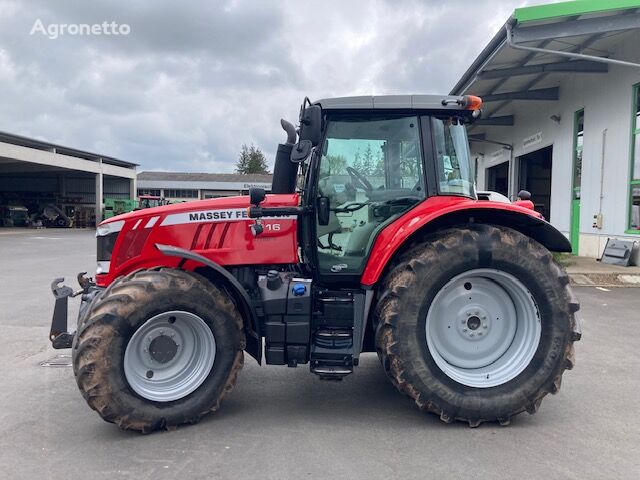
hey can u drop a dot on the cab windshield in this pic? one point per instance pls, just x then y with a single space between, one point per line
455 175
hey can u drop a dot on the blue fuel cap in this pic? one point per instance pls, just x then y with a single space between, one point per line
299 289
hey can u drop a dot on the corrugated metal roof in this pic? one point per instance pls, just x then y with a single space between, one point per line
497 53
203 177
62 150
483 76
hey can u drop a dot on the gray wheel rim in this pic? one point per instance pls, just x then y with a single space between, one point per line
483 328
169 356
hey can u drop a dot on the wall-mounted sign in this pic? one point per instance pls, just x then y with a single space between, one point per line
532 140
499 156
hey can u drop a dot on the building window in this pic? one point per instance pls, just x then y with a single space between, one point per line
634 188
149 191
180 193
577 153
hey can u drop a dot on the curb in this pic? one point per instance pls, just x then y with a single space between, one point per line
609 280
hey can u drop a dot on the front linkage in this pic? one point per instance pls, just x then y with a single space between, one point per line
58 335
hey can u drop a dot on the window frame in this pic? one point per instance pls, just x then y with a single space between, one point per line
574 155
312 190
150 192
173 193
633 182
433 150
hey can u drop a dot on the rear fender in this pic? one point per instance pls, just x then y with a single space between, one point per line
233 287
409 229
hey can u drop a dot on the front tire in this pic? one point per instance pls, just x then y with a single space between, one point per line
476 324
158 349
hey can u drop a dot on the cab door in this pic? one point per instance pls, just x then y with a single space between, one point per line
370 170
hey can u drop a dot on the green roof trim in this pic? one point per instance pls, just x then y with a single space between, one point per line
576 7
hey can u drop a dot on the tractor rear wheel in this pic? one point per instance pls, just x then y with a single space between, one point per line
158 349
476 324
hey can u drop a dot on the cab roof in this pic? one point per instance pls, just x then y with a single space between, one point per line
400 102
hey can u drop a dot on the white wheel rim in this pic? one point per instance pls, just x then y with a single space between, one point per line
483 328
169 356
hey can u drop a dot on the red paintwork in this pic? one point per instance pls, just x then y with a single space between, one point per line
224 242
525 203
231 242
394 235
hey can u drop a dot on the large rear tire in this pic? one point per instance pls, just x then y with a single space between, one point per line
158 349
476 324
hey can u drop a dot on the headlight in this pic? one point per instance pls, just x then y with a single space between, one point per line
108 228
106 234
103 267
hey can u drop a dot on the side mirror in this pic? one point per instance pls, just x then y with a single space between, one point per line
311 124
256 195
324 210
301 151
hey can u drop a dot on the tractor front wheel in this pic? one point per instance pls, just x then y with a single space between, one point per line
157 349
476 324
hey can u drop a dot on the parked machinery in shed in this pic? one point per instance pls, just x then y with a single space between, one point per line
385 248
14 216
53 216
118 206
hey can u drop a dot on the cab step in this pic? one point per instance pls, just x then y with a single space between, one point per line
331 372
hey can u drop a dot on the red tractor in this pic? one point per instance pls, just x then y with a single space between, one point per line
372 240
150 201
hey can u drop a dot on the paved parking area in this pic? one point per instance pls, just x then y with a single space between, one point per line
282 423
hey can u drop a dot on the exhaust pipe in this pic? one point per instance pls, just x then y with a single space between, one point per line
284 170
291 131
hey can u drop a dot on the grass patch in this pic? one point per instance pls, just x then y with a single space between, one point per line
564 259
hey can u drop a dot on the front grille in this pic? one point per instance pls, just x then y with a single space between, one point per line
105 244
131 244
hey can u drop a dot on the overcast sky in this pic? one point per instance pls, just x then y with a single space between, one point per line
194 80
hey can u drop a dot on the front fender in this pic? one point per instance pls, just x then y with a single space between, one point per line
243 301
441 212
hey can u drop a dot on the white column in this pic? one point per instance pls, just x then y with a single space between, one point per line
99 184
133 188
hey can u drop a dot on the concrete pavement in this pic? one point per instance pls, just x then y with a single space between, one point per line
282 423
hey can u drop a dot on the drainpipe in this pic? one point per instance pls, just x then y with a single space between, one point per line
581 56
597 218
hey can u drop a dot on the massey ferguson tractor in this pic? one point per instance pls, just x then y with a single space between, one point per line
372 239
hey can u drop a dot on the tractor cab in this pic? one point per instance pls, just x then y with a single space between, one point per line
366 161
150 201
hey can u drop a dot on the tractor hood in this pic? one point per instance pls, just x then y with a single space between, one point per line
218 229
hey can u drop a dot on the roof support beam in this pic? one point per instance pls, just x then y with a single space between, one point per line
572 66
505 121
552 93
477 136
563 53
573 28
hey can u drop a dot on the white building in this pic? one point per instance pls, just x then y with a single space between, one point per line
564 127
34 173
179 186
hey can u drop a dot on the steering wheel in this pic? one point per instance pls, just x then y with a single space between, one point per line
359 180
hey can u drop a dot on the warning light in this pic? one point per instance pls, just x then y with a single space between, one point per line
471 102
